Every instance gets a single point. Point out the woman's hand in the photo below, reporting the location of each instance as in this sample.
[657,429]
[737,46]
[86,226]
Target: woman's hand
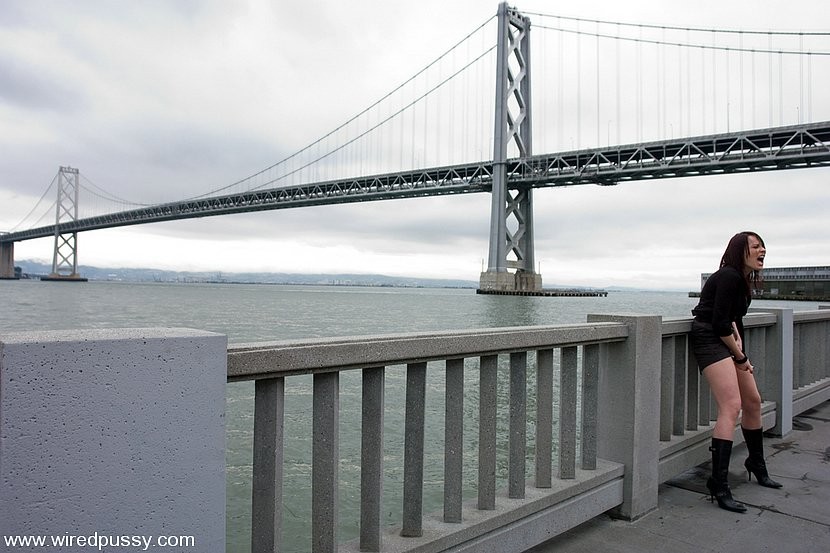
[745,366]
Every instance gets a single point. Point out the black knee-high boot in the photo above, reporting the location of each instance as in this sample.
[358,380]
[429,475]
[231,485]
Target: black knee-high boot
[718,484]
[755,462]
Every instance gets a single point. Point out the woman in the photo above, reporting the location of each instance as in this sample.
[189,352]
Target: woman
[718,344]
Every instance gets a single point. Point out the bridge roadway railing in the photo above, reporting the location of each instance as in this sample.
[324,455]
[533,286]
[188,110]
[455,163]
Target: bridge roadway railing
[125,429]
[645,415]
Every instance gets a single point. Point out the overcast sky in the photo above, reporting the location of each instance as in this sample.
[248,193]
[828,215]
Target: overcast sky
[187,96]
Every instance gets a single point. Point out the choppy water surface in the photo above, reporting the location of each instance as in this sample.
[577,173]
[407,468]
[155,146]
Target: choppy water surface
[249,313]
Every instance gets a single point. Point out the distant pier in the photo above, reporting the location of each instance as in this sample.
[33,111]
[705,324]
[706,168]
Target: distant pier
[546,293]
[788,283]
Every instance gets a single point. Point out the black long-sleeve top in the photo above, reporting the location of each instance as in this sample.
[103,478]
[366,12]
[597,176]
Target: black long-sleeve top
[724,299]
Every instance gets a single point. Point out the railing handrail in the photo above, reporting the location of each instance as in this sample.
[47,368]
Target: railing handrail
[811,316]
[252,361]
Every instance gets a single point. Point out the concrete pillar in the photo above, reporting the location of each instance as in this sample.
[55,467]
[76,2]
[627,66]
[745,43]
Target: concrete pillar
[779,368]
[114,434]
[629,410]
[7,260]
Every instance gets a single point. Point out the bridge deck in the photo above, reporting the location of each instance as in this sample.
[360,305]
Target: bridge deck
[779,148]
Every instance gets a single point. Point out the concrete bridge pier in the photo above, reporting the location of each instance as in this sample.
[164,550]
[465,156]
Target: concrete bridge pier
[7,261]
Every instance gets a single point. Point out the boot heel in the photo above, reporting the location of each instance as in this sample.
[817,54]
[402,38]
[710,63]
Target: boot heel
[761,474]
[755,463]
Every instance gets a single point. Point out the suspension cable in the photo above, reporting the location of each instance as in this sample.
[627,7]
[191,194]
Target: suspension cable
[379,124]
[694,29]
[105,195]
[342,126]
[686,45]
[45,192]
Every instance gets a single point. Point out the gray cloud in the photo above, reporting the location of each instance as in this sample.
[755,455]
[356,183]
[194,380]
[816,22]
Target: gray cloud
[158,101]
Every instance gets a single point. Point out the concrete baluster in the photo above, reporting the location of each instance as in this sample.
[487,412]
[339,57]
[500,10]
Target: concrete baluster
[544,418]
[453,439]
[325,459]
[590,391]
[567,413]
[488,377]
[266,489]
[371,459]
[413,462]
[667,402]
[518,426]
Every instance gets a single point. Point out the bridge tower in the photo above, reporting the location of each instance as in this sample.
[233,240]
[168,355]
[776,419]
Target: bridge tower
[65,257]
[511,215]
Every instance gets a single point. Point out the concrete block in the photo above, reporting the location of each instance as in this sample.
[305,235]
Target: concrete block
[114,434]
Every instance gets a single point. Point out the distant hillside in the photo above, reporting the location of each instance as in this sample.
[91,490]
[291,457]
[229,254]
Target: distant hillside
[158,275]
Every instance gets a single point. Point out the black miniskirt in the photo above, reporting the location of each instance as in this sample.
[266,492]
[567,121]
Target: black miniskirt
[707,346]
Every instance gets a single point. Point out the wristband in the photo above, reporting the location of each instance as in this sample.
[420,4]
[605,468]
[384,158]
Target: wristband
[741,361]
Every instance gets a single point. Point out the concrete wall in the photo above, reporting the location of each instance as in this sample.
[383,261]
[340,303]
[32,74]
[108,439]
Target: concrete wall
[113,433]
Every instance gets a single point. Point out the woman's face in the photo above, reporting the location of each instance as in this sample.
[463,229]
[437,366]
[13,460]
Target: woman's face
[754,258]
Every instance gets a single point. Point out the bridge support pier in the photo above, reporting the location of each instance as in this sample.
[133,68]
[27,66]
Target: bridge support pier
[7,261]
[511,216]
[492,281]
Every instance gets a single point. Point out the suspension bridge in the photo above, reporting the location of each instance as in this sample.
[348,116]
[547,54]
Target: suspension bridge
[738,101]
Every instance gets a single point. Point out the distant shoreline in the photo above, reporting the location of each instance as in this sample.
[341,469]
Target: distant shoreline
[33,270]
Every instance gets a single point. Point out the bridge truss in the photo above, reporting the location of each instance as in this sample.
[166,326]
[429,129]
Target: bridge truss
[801,146]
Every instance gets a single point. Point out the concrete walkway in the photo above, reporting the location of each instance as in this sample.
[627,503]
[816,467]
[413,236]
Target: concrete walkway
[795,518]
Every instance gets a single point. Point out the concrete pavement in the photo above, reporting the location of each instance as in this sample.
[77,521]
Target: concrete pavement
[793,519]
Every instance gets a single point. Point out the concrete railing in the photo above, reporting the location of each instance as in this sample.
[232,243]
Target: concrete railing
[590,488]
[622,391]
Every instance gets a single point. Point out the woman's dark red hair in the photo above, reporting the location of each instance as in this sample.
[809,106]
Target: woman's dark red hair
[735,254]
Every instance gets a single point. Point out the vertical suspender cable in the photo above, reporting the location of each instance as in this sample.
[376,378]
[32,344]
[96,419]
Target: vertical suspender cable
[771,67]
[727,79]
[741,79]
[542,112]
[714,84]
[800,75]
[465,88]
[560,87]
[688,85]
[640,86]
[578,87]
[598,89]
[438,122]
[753,88]
[780,87]
[702,90]
[617,46]
[809,86]
[661,94]
[415,127]
[426,120]
[679,90]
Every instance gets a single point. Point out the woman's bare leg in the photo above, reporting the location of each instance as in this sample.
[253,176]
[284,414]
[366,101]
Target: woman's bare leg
[750,400]
[724,385]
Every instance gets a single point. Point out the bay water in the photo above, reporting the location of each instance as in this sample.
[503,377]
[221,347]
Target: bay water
[252,313]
